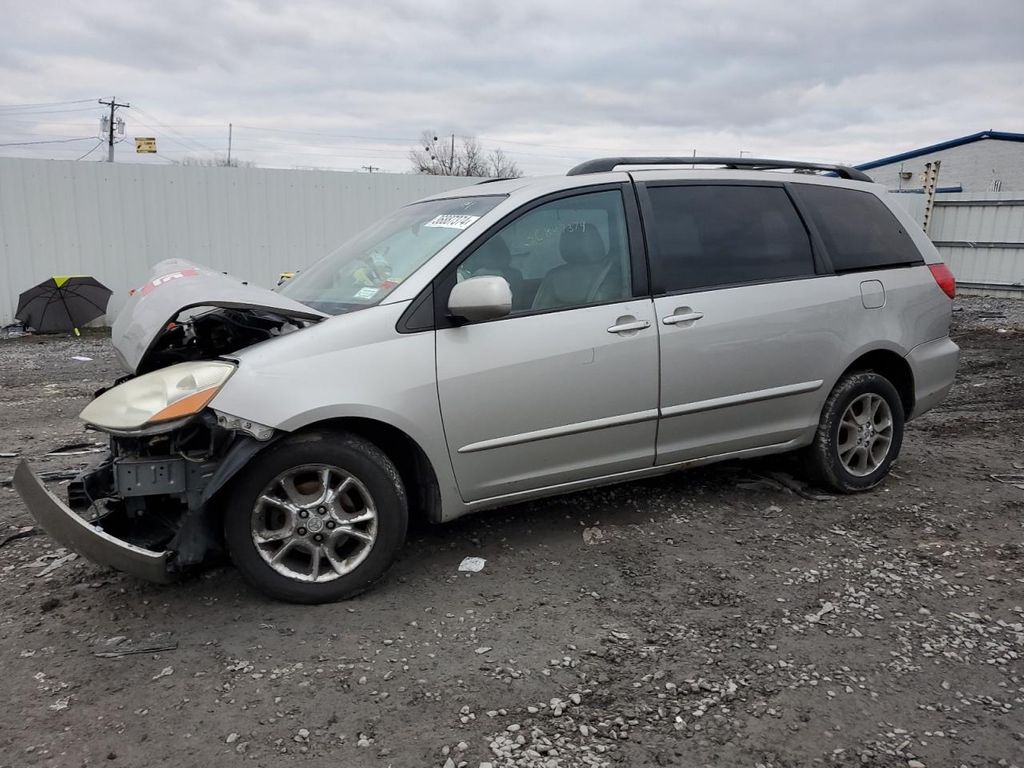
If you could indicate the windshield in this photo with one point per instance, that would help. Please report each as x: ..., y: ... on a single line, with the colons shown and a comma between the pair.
x: 372, y: 264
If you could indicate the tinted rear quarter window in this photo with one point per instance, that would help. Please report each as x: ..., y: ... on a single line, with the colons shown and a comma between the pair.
x: 703, y: 236
x: 859, y: 230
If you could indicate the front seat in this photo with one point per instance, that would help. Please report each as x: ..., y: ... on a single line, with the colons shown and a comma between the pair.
x: 494, y: 258
x: 578, y: 280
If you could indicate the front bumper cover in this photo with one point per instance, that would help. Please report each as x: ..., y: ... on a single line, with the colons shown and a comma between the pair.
x: 86, y: 539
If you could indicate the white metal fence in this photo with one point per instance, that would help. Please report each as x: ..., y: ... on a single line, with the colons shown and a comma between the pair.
x: 980, y: 236
x: 114, y: 221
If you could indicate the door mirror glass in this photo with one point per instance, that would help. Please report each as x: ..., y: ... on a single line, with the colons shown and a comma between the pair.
x: 480, y: 298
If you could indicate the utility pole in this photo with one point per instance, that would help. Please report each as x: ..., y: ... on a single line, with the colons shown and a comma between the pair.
x: 110, y: 125
x: 451, y: 171
x: 370, y: 168
x: 229, y: 145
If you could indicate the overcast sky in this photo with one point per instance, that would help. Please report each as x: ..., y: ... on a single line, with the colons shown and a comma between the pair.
x: 343, y: 84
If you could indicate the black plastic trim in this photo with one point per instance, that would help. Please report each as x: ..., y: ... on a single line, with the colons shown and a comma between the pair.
x: 419, y: 315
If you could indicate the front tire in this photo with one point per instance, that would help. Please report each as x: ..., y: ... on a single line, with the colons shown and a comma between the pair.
x: 316, y: 517
x: 859, y: 436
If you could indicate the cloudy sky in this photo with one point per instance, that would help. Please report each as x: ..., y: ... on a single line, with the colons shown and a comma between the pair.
x: 349, y: 83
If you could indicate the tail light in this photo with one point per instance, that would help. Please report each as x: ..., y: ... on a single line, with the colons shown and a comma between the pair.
x: 944, y: 279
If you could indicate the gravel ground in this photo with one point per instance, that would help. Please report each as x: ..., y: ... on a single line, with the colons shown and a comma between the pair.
x: 722, y: 616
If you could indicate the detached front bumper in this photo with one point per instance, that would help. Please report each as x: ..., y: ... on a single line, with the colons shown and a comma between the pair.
x: 86, y: 539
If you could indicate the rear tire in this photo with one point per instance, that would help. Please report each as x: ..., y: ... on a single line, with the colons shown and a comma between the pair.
x: 859, y: 436
x: 316, y: 517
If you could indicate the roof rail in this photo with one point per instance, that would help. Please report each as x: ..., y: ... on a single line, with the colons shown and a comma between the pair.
x: 745, y: 163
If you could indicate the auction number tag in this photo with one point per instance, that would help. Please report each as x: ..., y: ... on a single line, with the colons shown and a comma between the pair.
x: 452, y: 221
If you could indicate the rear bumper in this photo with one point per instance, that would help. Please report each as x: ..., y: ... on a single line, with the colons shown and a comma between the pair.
x: 934, y: 366
x: 77, y: 534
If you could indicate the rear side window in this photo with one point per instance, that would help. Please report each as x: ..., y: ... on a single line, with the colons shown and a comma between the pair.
x: 859, y: 231
x: 702, y: 236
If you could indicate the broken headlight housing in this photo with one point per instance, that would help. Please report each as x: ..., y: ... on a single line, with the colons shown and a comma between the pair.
x: 159, y: 401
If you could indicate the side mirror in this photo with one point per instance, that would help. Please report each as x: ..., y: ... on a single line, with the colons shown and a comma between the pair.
x: 480, y: 298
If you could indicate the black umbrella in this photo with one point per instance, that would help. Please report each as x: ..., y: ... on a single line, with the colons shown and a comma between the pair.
x: 62, y: 303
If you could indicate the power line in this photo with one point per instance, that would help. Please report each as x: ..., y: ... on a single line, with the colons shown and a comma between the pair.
x: 49, y: 141
x: 98, y: 144
x: 330, y: 135
x: 45, y: 104
x: 145, y: 114
x: 25, y: 112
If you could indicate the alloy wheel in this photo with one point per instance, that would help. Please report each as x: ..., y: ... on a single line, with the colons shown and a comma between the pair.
x: 865, y: 434
x: 314, y: 523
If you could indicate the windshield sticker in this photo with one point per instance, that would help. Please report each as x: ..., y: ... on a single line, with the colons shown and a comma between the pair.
x: 366, y: 293
x: 452, y: 221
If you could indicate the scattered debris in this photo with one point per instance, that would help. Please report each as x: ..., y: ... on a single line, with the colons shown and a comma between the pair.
x: 60, y: 704
x: 81, y: 358
x: 1016, y: 480
x: 58, y: 563
x: 22, y: 533
x: 483, y: 649
x: 472, y: 564
x: 794, y: 485
x: 77, y: 449
x: 131, y: 650
x: 814, y: 618
x: 165, y: 672
x: 7, y: 455
x: 14, y: 331
x: 49, y: 477
x: 593, y: 535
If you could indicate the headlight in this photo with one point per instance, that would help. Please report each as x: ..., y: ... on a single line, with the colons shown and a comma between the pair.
x: 159, y: 399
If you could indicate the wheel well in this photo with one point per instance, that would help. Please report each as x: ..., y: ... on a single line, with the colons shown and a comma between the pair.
x: 413, y: 466
x: 893, y: 367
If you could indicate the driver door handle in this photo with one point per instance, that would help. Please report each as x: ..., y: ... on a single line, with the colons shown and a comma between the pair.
x: 627, y: 327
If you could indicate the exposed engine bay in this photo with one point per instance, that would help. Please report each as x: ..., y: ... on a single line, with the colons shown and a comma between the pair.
x: 213, y: 333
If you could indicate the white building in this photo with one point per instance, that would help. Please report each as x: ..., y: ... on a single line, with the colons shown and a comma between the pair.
x: 990, y: 161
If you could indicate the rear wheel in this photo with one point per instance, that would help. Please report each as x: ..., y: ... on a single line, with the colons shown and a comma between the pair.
x: 859, y: 436
x: 316, y: 518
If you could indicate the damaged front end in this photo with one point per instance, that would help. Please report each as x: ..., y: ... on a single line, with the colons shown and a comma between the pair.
x: 146, y: 508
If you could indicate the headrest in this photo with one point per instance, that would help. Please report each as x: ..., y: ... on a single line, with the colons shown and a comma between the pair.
x: 582, y: 244
x: 493, y: 253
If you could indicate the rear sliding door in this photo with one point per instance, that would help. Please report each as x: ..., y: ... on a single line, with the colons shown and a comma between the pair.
x: 750, y: 330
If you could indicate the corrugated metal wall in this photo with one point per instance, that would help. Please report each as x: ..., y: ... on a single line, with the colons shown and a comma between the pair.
x: 114, y: 221
x: 980, y: 236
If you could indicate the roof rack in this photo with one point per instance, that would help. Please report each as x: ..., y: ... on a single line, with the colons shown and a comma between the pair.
x: 602, y: 164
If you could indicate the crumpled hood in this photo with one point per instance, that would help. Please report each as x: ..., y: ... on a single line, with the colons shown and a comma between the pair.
x: 176, y: 285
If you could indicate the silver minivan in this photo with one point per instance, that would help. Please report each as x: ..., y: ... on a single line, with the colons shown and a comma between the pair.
x: 503, y: 342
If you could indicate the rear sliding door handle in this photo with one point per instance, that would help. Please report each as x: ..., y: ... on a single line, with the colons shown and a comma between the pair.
x: 635, y: 325
x: 686, y: 317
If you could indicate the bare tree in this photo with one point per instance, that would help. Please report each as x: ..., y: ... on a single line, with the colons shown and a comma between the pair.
x: 443, y: 157
x: 218, y: 160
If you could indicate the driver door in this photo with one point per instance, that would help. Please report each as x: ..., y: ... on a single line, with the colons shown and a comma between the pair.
x: 565, y: 388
